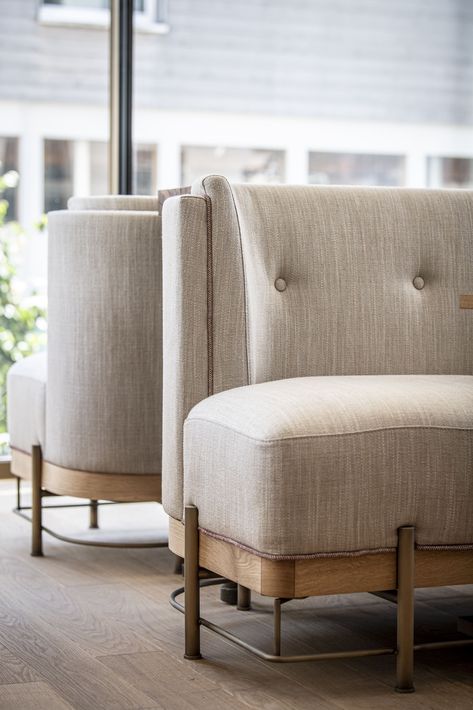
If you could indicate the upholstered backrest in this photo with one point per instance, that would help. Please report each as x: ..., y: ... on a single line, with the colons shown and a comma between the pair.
x: 120, y: 203
x: 308, y: 280
x: 104, y: 391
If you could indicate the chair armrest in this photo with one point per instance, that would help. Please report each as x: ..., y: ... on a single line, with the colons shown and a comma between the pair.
x: 186, y: 343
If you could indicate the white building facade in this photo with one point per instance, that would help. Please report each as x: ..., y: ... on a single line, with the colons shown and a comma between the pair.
x: 353, y: 91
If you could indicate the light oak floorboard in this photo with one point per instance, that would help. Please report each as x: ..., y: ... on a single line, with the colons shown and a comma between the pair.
x: 31, y: 696
x: 13, y: 670
x: 92, y: 629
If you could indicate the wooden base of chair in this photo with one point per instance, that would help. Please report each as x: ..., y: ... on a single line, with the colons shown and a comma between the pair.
x: 127, y: 488
x: 48, y: 479
x: 314, y: 577
x: 399, y: 570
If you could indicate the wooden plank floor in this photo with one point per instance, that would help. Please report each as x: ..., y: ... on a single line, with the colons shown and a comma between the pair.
x: 92, y: 629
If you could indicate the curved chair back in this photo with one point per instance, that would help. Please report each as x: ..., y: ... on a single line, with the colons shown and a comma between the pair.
x: 103, y: 404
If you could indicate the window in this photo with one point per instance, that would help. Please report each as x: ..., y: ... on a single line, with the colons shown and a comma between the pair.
x: 9, y: 161
x: 98, y: 168
x: 144, y: 169
x: 239, y: 164
x: 58, y: 174
x: 150, y: 15
x: 450, y: 172
x: 356, y: 169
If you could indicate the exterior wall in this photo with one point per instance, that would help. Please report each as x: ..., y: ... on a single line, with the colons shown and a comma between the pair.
x: 407, y: 61
x: 342, y: 76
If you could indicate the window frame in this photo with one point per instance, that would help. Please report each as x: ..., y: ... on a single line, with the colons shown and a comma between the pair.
x: 438, y: 179
x: 146, y: 20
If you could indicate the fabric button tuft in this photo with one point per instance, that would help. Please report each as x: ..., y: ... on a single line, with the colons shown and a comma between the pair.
x: 418, y: 283
x: 280, y: 284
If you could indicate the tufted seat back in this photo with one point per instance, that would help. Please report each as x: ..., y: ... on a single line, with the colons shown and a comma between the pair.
x: 294, y: 281
x: 342, y: 280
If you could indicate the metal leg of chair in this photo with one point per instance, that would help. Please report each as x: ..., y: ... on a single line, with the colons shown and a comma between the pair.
x: 277, y: 627
x: 229, y: 593
x: 243, y: 598
x: 178, y: 564
x: 18, y: 493
x: 405, y: 610
x: 93, y: 515
x: 191, y: 584
x: 36, y: 504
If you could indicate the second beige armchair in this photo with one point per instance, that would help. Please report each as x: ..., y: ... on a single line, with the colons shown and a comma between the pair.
x: 318, y: 397
x: 85, y: 417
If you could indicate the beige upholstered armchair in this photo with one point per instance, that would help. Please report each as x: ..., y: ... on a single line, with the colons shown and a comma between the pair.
x: 318, y: 396
x: 85, y: 417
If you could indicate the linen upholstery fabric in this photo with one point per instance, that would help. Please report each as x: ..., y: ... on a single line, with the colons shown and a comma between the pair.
x: 26, y: 394
x: 334, y: 464
x: 185, y: 331
x: 104, y: 389
x: 165, y: 194
x: 348, y: 257
x: 136, y: 203
x: 227, y: 286
x: 203, y: 288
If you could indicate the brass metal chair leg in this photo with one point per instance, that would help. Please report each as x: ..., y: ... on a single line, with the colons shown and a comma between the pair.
x: 191, y: 584
x: 277, y: 627
x: 93, y: 515
x: 243, y: 598
x: 36, y: 503
x: 18, y: 493
x: 405, y: 610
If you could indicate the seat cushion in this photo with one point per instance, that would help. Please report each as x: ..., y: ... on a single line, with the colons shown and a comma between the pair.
x: 334, y: 465
x: 26, y: 392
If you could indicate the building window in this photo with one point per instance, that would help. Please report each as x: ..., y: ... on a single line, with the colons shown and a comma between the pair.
x: 98, y: 168
x: 450, y: 172
x: 237, y: 164
x: 58, y: 174
x: 356, y: 169
x: 9, y: 162
x: 144, y: 169
x: 150, y: 15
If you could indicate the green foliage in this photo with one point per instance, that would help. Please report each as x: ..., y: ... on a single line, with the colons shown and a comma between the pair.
x: 22, y: 319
